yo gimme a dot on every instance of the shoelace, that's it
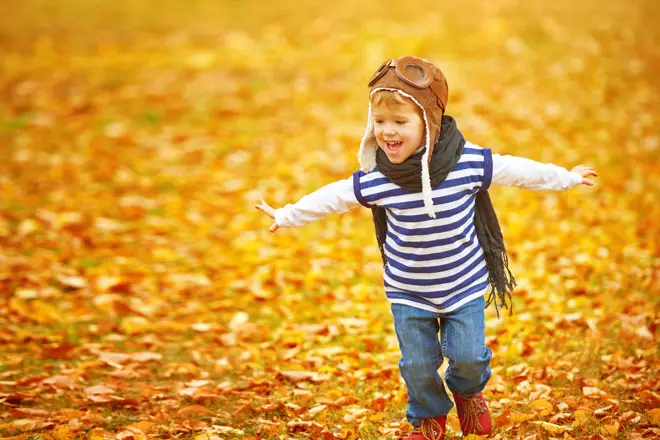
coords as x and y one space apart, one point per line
431 429
474 407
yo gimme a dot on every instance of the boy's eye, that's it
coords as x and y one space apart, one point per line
400 122
378 121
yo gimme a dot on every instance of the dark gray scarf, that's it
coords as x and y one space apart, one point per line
446 153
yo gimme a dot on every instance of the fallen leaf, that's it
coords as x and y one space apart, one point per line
194 411
592 392
551 427
654 416
542 406
580 418
25 425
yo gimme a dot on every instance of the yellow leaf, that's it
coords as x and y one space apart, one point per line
28 226
580 418
517 418
45 313
26 293
551 427
542 406
19 306
105 283
134 325
610 429
164 254
144 426
207 437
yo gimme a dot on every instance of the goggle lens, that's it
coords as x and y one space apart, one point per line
413 73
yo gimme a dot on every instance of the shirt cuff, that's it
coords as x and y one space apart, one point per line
281 216
576 179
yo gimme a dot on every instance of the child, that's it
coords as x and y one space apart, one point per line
438 235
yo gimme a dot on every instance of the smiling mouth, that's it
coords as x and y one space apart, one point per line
393 147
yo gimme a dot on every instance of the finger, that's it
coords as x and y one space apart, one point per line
266 210
588 182
274 227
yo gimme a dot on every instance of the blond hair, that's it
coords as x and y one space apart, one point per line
393 99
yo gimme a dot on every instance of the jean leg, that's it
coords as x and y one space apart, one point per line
464 343
417 332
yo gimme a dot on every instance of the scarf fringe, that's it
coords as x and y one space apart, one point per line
501 281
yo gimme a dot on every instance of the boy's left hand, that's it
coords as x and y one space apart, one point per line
585 171
268 210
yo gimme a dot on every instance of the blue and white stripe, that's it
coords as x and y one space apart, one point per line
437 263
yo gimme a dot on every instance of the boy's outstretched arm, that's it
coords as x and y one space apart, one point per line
527 173
335 198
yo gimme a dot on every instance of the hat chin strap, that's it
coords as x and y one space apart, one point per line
368 147
426 182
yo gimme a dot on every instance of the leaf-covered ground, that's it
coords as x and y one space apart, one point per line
142 296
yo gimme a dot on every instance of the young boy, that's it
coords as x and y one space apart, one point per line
438 235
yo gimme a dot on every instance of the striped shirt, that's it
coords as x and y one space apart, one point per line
435 264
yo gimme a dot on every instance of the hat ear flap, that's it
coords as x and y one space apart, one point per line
368 146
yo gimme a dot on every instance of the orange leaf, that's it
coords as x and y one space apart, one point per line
194 411
654 416
25 425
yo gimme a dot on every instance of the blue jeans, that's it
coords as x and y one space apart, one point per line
462 342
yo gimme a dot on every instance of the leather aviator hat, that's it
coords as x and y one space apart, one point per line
424 84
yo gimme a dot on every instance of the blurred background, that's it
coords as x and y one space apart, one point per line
136 136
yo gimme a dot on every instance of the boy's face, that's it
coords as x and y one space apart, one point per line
399 130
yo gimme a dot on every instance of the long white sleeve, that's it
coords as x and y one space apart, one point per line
335 198
527 173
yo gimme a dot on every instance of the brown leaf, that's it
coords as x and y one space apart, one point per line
651 433
60 351
29 380
306 427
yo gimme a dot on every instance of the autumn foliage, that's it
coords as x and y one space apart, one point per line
142 296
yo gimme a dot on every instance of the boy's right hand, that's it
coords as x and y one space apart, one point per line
264 207
585 171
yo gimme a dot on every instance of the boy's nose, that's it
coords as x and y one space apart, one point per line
389 129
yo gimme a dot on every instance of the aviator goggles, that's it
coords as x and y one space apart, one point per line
410 71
